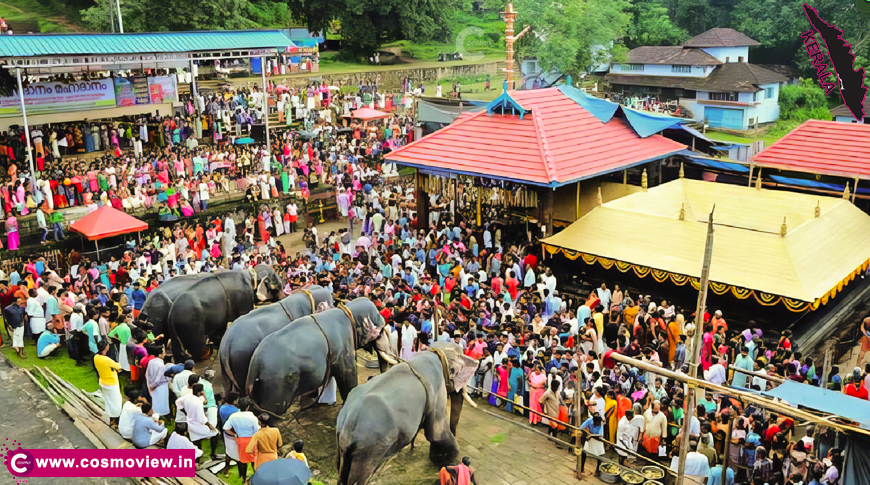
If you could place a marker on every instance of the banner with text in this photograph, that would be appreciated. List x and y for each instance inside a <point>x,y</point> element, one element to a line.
<point>57,96</point>
<point>162,89</point>
<point>130,91</point>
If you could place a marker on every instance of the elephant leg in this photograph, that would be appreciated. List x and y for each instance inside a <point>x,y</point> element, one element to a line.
<point>456,402</point>
<point>443,449</point>
<point>346,378</point>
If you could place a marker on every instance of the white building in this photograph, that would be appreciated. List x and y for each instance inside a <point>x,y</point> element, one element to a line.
<point>710,75</point>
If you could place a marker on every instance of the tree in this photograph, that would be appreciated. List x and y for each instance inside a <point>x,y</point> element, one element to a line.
<point>803,101</point>
<point>563,33</point>
<point>365,25</point>
<point>171,15</point>
<point>651,25</point>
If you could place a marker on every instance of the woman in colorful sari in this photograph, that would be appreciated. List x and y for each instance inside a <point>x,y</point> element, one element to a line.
<point>610,413</point>
<point>499,385</point>
<point>707,347</point>
<point>12,238</point>
<point>537,385</point>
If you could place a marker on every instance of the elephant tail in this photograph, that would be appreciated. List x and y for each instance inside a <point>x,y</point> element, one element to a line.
<point>227,372</point>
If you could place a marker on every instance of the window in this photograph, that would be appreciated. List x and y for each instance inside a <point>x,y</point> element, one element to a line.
<point>723,96</point>
<point>684,69</point>
<point>756,96</point>
<point>751,121</point>
<point>727,59</point>
<point>740,59</point>
<point>768,93</point>
<point>631,67</point>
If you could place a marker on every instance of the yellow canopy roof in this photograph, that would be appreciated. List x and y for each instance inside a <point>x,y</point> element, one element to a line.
<point>815,256</point>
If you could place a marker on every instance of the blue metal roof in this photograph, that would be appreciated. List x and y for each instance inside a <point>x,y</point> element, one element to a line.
<point>139,43</point>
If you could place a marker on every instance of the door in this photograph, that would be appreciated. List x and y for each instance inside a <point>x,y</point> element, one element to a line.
<point>724,118</point>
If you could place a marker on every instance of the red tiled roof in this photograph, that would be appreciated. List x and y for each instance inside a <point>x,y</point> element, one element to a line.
<point>557,143</point>
<point>821,147</point>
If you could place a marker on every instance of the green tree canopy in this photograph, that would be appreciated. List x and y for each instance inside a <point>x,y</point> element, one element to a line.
<point>651,25</point>
<point>563,32</point>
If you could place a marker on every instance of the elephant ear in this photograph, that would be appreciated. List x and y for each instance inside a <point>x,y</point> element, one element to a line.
<point>371,331</point>
<point>464,368</point>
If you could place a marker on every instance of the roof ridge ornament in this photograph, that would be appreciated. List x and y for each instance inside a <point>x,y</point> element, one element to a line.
<point>783,229</point>
<point>682,171</point>
<point>506,102</point>
<point>818,211</point>
<point>847,194</point>
<point>644,181</point>
<point>682,212</point>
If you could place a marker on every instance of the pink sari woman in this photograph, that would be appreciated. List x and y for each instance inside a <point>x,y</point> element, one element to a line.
<point>707,348</point>
<point>537,383</point>
<point>12,239</point>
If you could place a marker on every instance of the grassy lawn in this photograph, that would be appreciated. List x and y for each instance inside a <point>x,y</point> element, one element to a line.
<point>84,377</point>
<point>769,137</point>
<point>475,90</point>
<point>330,64</point>
<point>35,16</point>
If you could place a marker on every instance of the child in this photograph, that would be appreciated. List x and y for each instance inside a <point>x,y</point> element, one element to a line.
<point>297,452</point>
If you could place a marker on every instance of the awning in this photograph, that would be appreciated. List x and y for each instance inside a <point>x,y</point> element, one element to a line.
<point>367,114</point>
<point>769,244</point>
<point>726,165</point>
<point>107,222</point>
<point>824,400</point>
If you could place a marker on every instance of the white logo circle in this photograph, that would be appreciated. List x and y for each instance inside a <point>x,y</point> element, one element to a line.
<point>13,463</point>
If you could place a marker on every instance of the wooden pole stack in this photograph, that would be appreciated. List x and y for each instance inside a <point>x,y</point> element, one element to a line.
<point>93,422</point>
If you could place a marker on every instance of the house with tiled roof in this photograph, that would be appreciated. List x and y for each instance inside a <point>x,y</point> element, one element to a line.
<point>709,75</point>
<point>842,114</point>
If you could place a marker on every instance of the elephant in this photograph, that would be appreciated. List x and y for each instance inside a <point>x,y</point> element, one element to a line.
<point>159,302</point>
<point>384,415</point>
<point>249,330</point>
<point>300,358</point>
<point>209,303</point>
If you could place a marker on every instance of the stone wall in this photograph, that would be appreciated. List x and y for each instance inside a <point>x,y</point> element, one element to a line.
<point>392,78</point>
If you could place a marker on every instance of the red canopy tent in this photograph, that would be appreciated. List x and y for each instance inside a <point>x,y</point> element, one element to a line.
<point>368,114</point>
<point>107,222</point>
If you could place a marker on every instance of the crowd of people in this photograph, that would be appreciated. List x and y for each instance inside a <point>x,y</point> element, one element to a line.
<point>486,288</point>
<point>177,176</point>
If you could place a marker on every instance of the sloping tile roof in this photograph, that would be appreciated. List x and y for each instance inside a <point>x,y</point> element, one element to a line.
<point>731,76</point>
<point>842,110</point>
<point>139,43</point>
<point>741,75</point>
<point>689,83</point>
<point>821,147</point>
<point>720,37</point>
<point>671,55</point>
<point>559,142</point>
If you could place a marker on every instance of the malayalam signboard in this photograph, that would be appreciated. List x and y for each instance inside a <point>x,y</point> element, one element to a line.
<point>57,96</point>
<point>162,89</point>
<point>131,91</point>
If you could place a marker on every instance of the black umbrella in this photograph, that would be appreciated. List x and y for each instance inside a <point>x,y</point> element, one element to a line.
<point>284,471</point>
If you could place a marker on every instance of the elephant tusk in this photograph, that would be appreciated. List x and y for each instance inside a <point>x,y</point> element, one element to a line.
<point>468,399</point>
<point>387,357</point>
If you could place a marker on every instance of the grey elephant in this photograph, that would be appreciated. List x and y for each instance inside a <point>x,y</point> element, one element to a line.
<point>203,309</point>
<point>246,332</point>
<point>300,358</point>
<point>384,415</point>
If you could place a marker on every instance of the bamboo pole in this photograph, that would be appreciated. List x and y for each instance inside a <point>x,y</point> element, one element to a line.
<point>696,349</point>
<point>779,380</point>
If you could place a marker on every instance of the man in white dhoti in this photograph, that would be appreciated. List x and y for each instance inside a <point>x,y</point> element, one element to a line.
<point>697,465</point>
<point>178,440</point>
<point>229,236</point>
<point>180,385</point>
<point>627,436</point>
<point>111,392</point>
<point>158,383</point>
<point>192,405</point>
<point>409,335</point>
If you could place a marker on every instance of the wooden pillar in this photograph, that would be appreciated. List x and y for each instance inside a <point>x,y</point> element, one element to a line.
<point>479,196</point>
<point>422,202</point>
<point>547,210</point>
<point>577,209</point>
